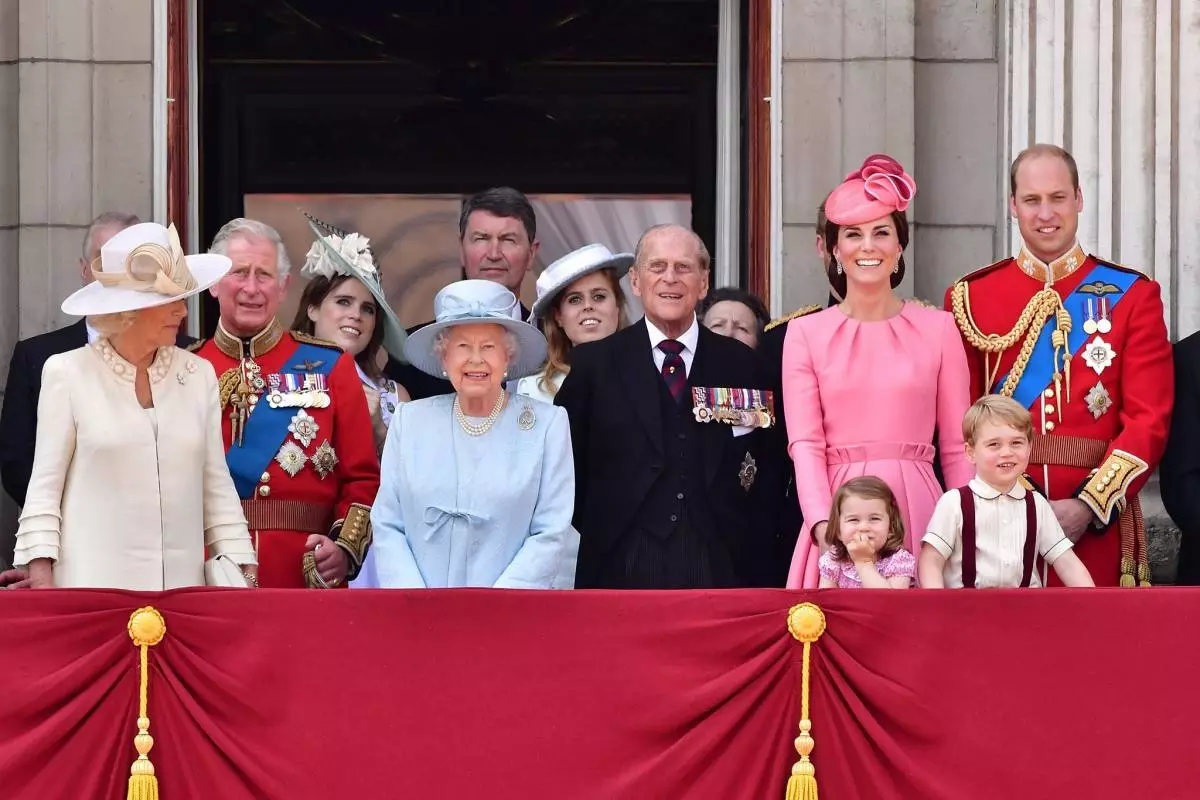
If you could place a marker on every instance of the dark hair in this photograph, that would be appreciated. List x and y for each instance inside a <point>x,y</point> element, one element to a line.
<point>868,487</point>
<point>314,294</point>
<point>838,281</point>
<point>1035,150</point>
<point>822,220</point>
<point>501,201</point>
<point>737,295</point>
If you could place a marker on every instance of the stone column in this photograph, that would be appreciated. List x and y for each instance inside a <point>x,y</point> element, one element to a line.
<point>75,140</point>
<point>9,218</point>
<point>918,79</point>
<point>958,167</point>
<point>1112,82</point>
<point>847,91</point>
<point>85,136</point>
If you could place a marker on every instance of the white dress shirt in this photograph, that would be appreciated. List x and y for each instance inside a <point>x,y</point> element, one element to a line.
<point>92,333</point>
<point>688,339</point>
<point>999,535</point>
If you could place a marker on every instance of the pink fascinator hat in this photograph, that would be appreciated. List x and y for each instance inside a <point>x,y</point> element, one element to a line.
<point>879,187</point>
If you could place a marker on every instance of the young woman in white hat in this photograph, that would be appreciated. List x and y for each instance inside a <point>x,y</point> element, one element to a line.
<point>344,303</point>
<point>129,484</point>
<point>477,488</point>
<point>579,299</point>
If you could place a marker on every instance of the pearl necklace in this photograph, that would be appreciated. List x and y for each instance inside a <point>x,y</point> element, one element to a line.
<point>472,429</point>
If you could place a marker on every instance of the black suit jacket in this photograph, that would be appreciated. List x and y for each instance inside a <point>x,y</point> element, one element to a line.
<point>1179,472</point>
<point>417,383</point>
<point>612,399</point>
<point>790,520</point>
<point>18,419</point>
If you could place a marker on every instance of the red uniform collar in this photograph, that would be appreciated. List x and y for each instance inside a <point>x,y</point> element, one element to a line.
<point>1056,270</point>
<point>257,346</point>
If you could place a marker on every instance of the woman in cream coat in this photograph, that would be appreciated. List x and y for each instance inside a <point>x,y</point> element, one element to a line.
<point>129,482</point>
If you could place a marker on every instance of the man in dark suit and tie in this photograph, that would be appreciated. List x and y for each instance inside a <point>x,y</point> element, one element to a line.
<point>664,500</point>
<point>18,420</point>
<point>497,233</point>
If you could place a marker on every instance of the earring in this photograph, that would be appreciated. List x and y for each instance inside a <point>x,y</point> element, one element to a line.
<point>506,374</point>
<point>838,261</point>
<point>445,374</point>
<point>896,268</point>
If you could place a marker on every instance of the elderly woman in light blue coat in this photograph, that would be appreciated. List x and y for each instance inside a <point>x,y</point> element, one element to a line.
<point>477,487</point>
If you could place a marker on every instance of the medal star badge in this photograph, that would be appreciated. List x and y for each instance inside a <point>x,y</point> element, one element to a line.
<point>291,458</point>
<point>1099,355</point>
<point>1098,400</point>
<point>304,428</point>
<point>748,472</point>
<point>324,459</point>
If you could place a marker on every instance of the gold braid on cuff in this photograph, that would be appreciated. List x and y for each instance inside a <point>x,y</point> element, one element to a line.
<point>1104,492</point>
<point>354,536</point>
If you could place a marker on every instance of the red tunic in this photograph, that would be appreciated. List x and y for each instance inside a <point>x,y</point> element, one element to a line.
<point>1128,436</point>
<point>285,509</point>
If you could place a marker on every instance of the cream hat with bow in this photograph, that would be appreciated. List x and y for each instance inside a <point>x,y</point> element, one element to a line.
<point>141,267</point>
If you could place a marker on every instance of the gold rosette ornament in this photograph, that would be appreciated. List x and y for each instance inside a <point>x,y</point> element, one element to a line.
<point>146,628</point>
<point>806,623</point>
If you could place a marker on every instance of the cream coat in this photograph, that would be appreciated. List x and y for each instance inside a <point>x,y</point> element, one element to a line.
<point>125,498</point>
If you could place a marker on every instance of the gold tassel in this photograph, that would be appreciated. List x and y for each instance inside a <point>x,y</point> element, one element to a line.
<point>146,628</point>
<point>806,623</point>
<point>1127,579</point>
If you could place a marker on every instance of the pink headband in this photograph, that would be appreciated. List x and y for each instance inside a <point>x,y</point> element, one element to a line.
<point>878,188</point>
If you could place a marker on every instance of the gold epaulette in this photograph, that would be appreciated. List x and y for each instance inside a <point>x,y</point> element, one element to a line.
<point>196,345</point>
<point>799,312</point>
<point>304,338</point>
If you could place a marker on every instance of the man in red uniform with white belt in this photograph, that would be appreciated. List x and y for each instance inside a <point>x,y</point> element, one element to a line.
<point>297,430</point>
<point>1082,343</point>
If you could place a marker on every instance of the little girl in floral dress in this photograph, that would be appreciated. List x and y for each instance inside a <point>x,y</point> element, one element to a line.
<point>866,539</point>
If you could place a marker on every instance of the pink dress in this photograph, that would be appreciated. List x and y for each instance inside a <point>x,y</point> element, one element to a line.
<point>864,398</point>
<point>845,573</point>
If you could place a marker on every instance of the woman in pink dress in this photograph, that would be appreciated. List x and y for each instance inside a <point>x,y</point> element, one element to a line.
<point>867,382</point>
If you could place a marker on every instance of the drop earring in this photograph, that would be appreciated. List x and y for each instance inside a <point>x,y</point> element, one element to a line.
<point>838,261</point>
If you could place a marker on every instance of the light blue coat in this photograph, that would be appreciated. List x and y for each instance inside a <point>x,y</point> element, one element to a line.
<point>458,510</point>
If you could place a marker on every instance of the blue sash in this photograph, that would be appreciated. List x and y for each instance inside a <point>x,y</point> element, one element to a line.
<point>1039,373</point>
<point>266,427</point>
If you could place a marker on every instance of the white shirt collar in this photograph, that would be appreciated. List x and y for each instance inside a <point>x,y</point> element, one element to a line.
<point>989,492</point>
<point>92,333</point>
<point>688,339</point>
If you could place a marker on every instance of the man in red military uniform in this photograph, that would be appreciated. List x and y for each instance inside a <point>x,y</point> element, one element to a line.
<point>297,430</point>
<point>1082,343</point>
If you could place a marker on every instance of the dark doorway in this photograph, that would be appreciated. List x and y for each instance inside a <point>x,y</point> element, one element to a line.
<point>451,96</point>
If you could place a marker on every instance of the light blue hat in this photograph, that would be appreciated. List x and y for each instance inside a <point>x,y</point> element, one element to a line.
<point>472,302</point>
